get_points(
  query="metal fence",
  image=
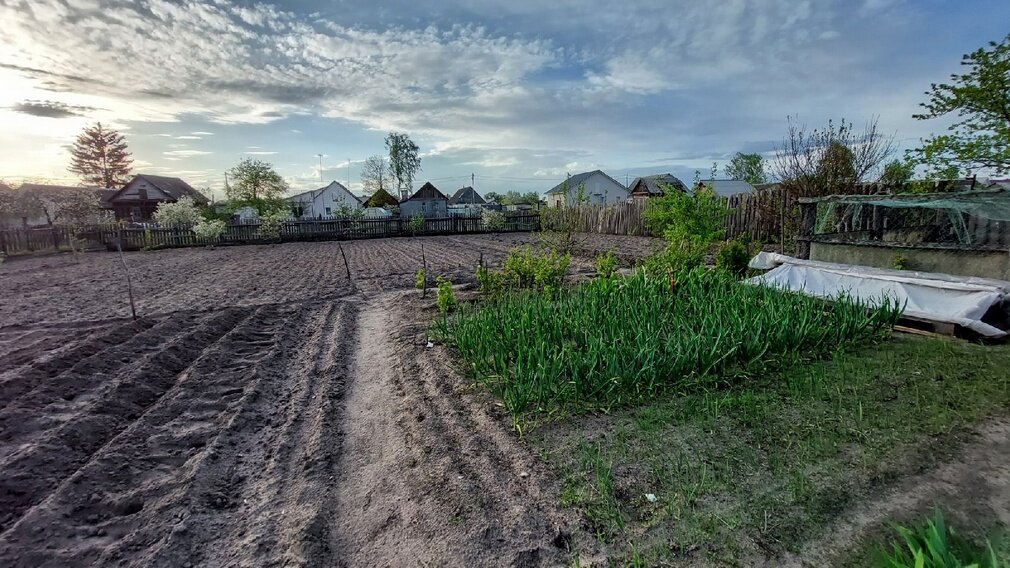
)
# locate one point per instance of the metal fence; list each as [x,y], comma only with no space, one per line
[24,241]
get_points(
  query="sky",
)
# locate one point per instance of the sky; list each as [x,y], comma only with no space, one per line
[516,93]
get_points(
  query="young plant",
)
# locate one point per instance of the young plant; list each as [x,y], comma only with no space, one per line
[446,298]
[416,222]
[733,257]
[899,262]
[489,281]
[419,279]
[606,264]
[936,546]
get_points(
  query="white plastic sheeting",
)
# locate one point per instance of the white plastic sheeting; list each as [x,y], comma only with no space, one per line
[930,296]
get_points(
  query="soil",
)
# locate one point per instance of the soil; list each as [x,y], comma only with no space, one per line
[264,410]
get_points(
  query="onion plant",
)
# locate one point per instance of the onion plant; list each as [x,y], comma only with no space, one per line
[614,340]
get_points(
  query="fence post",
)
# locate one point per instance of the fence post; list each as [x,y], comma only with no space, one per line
[808,217]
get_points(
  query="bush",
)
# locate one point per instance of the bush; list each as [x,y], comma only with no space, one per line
[733,257]
[606,264]
[416,222]
[678,216]
[270,225]
[676,257]
[489,281]
[492,220]
[183,212]
[419,279]
[210,230]
[446,300]
[899,262]
[936,546]
[526,268]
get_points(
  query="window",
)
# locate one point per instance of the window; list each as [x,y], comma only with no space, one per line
[328,210]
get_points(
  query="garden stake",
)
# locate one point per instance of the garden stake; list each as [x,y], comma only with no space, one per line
[129,282]
[424,267]
[345,261]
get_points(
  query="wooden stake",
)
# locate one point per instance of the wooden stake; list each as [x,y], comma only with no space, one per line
[424,268]
[129,281]
[346,267]
[480,261]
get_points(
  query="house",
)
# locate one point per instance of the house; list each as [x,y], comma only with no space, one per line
[466,196]
[728,187]
[654,186]
[323,202]
[244,214]
[428,201]
[139,198]
[592,187]
[381,198]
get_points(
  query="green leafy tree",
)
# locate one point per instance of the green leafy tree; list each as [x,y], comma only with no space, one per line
[747,167]
[897,173]
[678,216]
[516,198]
[254,183]
[404,161]
[183,212]
[100,156]
[980,98]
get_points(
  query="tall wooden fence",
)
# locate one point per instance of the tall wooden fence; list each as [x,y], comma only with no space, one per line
[22,241]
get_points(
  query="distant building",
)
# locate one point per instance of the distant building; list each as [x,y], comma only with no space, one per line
[466,196]
[654,186]
[428,201]
[381,198]
[139,199]
[322,202]
[593,187]
[728,187]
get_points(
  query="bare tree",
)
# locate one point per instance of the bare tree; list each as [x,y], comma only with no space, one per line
[374,174]
[829,160]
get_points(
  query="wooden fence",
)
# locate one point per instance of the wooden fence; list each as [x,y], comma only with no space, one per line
[23,241]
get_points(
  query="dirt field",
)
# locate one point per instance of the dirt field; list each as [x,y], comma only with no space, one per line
[263,411]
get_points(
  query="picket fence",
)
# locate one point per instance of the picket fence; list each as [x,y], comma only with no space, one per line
[23,241]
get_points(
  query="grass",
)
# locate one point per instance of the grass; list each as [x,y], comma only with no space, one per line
[934,545]
[612,341]
[766,464]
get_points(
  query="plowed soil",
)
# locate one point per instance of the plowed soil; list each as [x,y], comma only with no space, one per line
[264,410]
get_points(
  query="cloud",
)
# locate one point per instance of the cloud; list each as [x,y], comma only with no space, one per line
[199,133]
[185,153]
[259,153]
[50,109]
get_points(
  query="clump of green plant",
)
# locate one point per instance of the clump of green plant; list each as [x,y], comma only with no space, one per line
[492,220]
[677,216]
[936,546]
[676,257]
[489,281]
[606,264]
[419,279]
[210,230]
[528,268]
[699,329]
[446,298]
[733,257]
[271,225]
[416,222]
[899,262]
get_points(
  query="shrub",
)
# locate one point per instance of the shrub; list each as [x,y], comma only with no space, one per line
[446,300]
[210,230]
[489,281]
[733,257]
[183,212]
[936,546]
[678,216]
[899,262]
[416,222]
[676,257]
[526,268]
[606,264]
[492,220]
[419,279]
[271,224]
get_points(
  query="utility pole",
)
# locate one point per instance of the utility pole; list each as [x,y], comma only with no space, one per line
[320,167]
[472,190]
[348,174]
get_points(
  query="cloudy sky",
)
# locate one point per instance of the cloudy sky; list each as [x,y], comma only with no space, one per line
[516,92]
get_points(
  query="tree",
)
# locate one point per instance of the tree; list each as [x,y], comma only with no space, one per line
[183,212]
[493,197]
[60,205]
[516,198]
[100,157]
[897,173]
[404,163]
[980,138]
[256,184]
[374,174]
[747,167]
[831,159]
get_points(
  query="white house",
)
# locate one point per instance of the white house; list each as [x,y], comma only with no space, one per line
[592,187]
[323,202]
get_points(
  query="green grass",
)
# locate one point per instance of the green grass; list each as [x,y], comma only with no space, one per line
[767,463]
[934,545]
[612,341]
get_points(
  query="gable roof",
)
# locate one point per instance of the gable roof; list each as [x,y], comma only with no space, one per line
[172,186]
[574,181]
[427,191]
[728,187]
[380,198]
[653,185]
[465,196]
[314,194]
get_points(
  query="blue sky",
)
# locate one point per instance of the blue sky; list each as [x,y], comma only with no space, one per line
[516,92]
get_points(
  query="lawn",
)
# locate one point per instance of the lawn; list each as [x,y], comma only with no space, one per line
[760,467]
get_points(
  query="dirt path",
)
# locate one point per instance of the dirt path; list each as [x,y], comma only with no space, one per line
[427,476]
[975,486]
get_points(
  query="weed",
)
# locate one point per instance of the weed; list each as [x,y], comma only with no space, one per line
[899,262]
[936,546]
[446,299]
[606,264]
[419,279]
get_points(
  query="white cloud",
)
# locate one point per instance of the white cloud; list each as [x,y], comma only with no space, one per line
[185,153]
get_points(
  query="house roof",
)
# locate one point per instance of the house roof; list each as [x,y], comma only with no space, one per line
[574,181]
[313,194]
[653,185]
[728,187]
[427,191]
[379,198]
[466,195]
[174,187]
